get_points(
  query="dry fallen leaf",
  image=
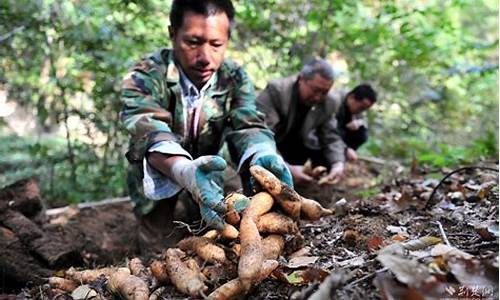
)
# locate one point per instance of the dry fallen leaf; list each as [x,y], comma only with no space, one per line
[485,189]
[83,292]
[407,270]
[299,277]
[326,289]
[392,290]
[396,229]
[487,230]
[400,237]
[304,251]
[375,243]
[301,261]
[421,243]
[449,251]
[353,262]
[400,203]
[350,236]
[474,272]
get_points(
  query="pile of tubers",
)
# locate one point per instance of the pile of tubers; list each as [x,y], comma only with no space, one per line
[233,260]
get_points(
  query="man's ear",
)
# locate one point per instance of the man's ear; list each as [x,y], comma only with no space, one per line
[171,32]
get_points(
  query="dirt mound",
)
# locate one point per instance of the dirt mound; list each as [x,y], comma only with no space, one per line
[33,243]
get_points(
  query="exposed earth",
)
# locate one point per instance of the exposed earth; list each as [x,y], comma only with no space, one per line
[387,240]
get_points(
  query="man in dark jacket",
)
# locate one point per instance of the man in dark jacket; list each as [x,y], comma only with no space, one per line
[352,126]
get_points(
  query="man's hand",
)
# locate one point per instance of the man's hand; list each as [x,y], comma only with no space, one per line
[351,154]
[298,174]
[354,125]
[335,173]
[203,178]
[274,164]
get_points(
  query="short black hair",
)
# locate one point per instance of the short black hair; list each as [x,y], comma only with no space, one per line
[363,91]
[202,7]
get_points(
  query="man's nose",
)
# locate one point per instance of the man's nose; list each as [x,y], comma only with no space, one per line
[203,57]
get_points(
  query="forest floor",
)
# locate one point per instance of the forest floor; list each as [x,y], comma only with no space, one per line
[387,239]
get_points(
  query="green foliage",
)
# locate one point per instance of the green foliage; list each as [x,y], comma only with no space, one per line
[434,66]
[61,183]
[367,193]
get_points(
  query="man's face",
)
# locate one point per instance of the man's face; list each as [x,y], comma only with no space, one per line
[356,107]
[199,45]
[313,91]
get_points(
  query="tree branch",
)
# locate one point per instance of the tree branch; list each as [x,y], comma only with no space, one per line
[11,33]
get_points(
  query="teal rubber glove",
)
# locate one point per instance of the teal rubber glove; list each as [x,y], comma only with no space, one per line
[275,164]
[203,178]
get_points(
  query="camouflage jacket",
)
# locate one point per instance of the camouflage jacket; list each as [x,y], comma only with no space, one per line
[154,111]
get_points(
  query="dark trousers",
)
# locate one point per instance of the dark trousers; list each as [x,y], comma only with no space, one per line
[354,139]
[299,154]
[157,230]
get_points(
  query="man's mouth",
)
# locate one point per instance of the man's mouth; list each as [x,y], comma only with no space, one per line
[204,72]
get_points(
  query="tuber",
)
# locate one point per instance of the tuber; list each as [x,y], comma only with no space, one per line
[183,278]
[62,284]
[236,248]
[316,172]
[260,204]
[251,255]
[88,276]
[287,198]
[205,248]
[234,289]
[220,273]
[138,269]
[274,222]
[272,246]
[159,271]
[211,234]
[312,210]
[128,286]
[326,181]
[235,202]
[230,232]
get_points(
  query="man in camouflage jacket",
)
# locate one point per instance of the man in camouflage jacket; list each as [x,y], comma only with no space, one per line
[180,106]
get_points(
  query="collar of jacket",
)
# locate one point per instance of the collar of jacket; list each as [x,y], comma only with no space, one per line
[172,75]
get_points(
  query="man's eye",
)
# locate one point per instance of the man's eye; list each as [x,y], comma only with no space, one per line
[217,45]
[192,42]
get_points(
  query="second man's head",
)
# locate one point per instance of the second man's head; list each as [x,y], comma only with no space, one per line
[315,81]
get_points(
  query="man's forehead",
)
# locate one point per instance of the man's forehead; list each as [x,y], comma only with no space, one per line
[211,27]
[319,80]
[188,17]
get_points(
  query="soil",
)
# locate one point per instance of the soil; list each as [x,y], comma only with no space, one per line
[380,201]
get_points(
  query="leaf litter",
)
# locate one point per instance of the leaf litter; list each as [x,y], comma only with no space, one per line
[416,238]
